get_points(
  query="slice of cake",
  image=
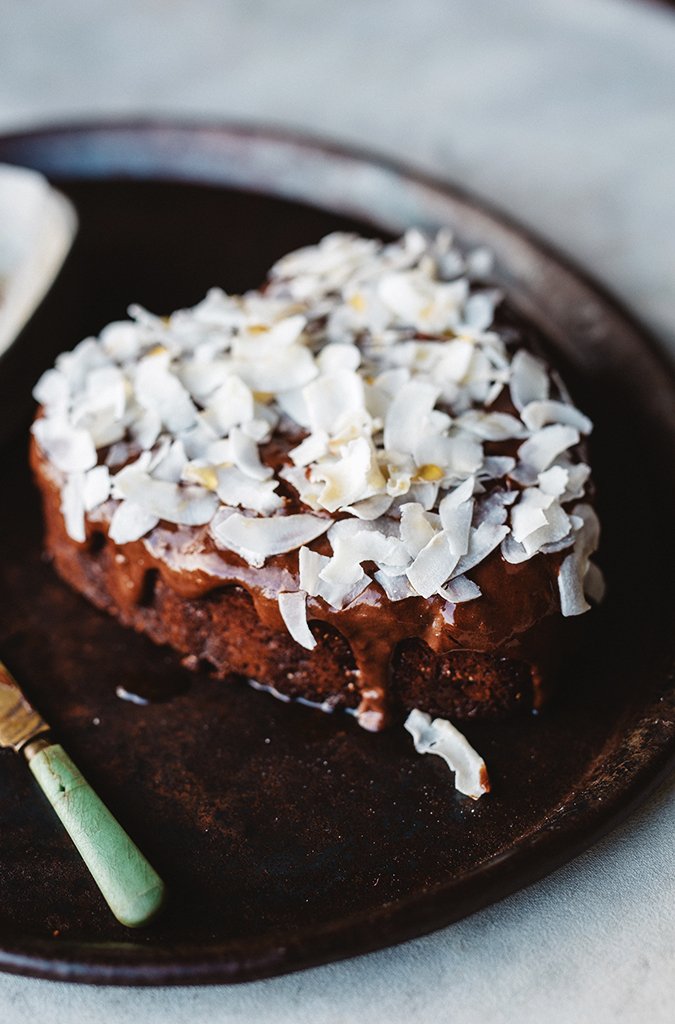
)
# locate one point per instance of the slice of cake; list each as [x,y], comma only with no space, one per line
[355,486]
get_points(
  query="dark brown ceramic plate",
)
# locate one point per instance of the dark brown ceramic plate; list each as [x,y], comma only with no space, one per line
[288,837]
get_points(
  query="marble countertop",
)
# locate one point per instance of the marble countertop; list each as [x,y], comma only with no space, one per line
[562,114]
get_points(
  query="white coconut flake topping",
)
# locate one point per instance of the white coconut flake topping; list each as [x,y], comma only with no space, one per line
[293,608]
[442,738]
[366,394]
[256,539]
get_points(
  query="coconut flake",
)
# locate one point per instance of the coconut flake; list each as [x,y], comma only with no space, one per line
[536,415]
[122,340]
[529,514]
[234,488]
[245,456]
[554,481]
[420,302]
[397,588]
[408,415]
[441,737]
[540,450]
[230,405]
[72,507]
[170,464]
[493,507]
[575,566]
[311,564]
[456,512]
[512,551]
[186,505]
[571,587]
[256,539]
[577,475]
[495,466]
[482,542]
[459,590]
[353,477]
[162,393]
[594,583]
[293,608]
[492,426]
[313,448]
[291,367]
[146,429]
[331,398]
[417,528]
[52,391]
[69,448]
[95,487]
[352,548]
[529,380]
[433,565]
[130,522]
[370,508]
[538,520]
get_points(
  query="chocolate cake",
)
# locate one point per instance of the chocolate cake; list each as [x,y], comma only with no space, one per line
[352,486]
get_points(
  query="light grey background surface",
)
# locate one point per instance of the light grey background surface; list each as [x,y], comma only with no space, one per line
[562,112]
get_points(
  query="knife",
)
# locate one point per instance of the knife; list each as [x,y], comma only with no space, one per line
[130,886]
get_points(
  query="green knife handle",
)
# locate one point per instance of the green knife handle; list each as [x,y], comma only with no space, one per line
[131,887]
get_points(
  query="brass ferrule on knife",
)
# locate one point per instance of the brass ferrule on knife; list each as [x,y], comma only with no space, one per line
[20,724]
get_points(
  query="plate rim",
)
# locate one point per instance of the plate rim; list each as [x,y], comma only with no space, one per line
[535,855]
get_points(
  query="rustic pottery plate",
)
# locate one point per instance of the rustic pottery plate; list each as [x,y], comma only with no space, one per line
[288,837]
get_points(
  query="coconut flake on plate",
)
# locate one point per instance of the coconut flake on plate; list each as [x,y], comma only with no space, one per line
[442,738]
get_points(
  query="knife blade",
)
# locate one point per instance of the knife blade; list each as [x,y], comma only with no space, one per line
[129,884]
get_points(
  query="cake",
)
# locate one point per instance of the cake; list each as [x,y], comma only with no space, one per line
[358,485]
